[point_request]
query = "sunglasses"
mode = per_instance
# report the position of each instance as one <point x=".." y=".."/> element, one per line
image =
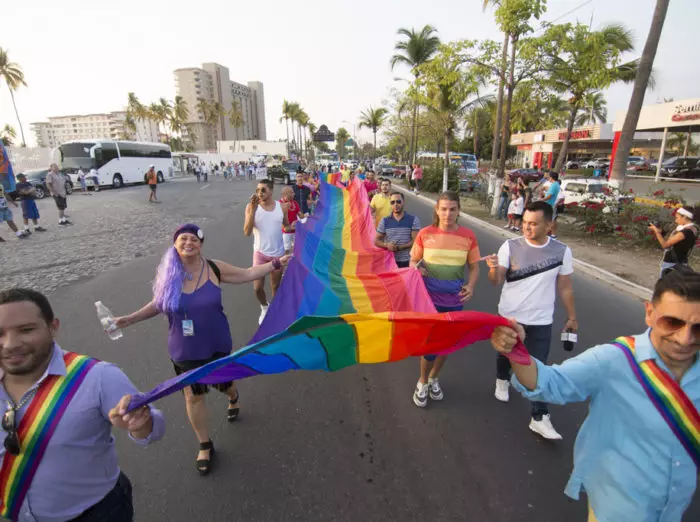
<point x="396" y="202"/>
<point x="9" y="425"/>
<point x="673" y="324"/>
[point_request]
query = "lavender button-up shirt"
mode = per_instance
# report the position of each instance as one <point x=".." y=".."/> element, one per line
<point x="80" y="464"/>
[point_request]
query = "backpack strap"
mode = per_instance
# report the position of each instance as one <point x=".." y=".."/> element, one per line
<point x="215" y="269"/>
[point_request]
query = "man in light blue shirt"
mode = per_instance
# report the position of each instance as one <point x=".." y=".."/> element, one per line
<point x="551" y="197"/>
<point x="627" y="459"/>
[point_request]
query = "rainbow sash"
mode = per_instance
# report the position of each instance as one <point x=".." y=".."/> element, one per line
<point x="36" y="429"/>
<point x="669" y="398"/>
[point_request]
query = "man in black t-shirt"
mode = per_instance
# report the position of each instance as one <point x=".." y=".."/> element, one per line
<point x="679" y="244"/>
<point x="29" y="209"/>
<point x="302" y="194"/>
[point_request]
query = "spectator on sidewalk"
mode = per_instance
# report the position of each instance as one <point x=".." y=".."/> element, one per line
<point x="680" y="242"/>
<point x="397" y="232"/>
<point x="531" y="269"/>
<point x="56" y="186"/>
<point x="417" y="177"/>
<point x="515" y="211"/>
<point x="551" y="197"/>
<point x="27" y="194"/>
<point x="503" y="198"/>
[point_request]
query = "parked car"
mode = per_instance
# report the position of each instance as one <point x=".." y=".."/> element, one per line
<point x="37" y="179"/>
<point x="386" y="170"/>
<point x="572" y="165"/>
<point x="681" y="167"/>
<point x="527" y="175"/>
<point x="285" y="173"/>
<point x="597" y="163"/>
<point x="580" y="190"/>
<point x="399" y="172"/>
<point x="638" y="164"/>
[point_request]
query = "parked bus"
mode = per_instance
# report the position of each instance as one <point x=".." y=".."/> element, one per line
<point x="117" y="162"/>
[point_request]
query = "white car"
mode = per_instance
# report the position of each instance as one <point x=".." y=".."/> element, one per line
<point x="582" y="190"/>
<point x="597" y="163"/>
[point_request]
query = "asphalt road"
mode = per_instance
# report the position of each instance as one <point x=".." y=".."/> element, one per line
<point x="349" y="446"/>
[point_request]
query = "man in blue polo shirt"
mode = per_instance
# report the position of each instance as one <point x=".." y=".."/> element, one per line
<point x="397" y="231"/>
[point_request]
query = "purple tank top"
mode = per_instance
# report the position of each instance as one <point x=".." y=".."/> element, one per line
<point x="211" y="331"/>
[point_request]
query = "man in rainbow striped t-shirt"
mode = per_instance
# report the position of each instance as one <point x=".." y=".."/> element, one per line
<point x="637" y="453"/>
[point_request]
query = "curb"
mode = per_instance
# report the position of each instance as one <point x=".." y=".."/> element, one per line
<point x="633" y="289"/>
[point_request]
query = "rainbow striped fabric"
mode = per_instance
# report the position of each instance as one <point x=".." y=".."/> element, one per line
<point x="36" y="429"/>
<point x="342" y="301"/>
<point x="673" y="404"/>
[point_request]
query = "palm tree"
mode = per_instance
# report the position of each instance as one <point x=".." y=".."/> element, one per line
<point x="341" y="138"/>
<point x="14" y="78"/>
<point x="179" y="116"/>
<point x="417" y="49"/>
<point x="594" y="108"/>
<point x="310" y="143"/>
<point x="286" y="113"/>
<point x="294" y="113"/>
<point x="235" y="118"/>
<point x="156" y="114"/>
<point x="303" y="121"/>
<point x="8" y="135"/>
<point x="641" y="82"/>
<point x="373" y="119"/>
<point x="166" y="115"/>
<point x="216" y="112"/>
<point x="129" y="126"/>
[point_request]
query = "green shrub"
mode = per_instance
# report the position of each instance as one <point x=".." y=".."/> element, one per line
<point x="432" y="179"/>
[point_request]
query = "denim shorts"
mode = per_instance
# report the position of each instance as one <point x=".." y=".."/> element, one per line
<point x="442" y="310"/>
<point x="5" y="214"/>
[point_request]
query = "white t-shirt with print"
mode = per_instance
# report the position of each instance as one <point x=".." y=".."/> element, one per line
<point x="530" y="289"/>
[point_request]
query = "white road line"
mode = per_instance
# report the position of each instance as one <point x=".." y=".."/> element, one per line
<point x="204" y="186"/>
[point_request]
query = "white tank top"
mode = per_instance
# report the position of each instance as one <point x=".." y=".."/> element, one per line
<point x="267" y="232"/>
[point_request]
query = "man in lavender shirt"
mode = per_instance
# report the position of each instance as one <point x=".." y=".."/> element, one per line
<point x="78" y="478"/>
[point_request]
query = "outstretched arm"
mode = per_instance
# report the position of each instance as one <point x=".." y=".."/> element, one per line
<point x="148" y="311"/>
<point x="235" y="275"/>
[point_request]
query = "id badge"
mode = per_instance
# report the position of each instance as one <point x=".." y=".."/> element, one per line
<point x="187" y="327"/>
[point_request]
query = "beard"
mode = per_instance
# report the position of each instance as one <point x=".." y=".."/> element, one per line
<point x="27" y="359"/>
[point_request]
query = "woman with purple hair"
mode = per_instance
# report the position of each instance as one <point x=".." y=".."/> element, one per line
<point x="187" y="289"/>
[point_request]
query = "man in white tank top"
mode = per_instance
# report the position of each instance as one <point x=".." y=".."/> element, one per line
<point x="264" y="218"/>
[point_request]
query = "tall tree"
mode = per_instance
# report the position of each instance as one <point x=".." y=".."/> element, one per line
<point x="418" y="48"/>
<point x="341" y="138"/>
<point x="14" y="78"/>
<point x="594" y="109"/>
<point x="165" y="116"/>
<point x="8" y="135"/>
<point x="216" y="112"/>
<point x="373" y="119"/>
<point x="179" y="115"/>
<point x="579" y="61"/>
<point x="286" y="113"/>
<point x="641" y="82"/>
<point x="129" y="126"/>
<point x="235" y="118"/>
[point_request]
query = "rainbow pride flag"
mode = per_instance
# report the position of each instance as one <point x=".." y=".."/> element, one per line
<point x="342" y="302"/>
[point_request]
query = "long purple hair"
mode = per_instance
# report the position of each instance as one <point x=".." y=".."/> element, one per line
<point x="167" y="285"/>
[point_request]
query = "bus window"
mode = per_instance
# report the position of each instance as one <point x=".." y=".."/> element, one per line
<point x="76" y="156"/>
<point x="104" y="153"/>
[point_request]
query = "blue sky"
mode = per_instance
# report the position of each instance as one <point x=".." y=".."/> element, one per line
<point x="82" y="56"/>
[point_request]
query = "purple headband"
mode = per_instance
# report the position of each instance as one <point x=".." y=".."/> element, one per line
<point x="189" y="228"/>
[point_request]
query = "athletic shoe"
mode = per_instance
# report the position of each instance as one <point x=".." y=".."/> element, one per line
<point x="263" y="313"/>
<point x="26" y="231"/>
<point x="544" y="428"/>
<point x="501" y="392"/>
<point x="435" y="390"/>
<point x="506" y="226"/>
<point x="39" y="229"/>
<point x="420" y="395"/>
<point x="22" y="235"/>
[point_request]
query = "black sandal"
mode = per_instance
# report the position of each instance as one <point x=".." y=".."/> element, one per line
<point x="232" y="413"/>
<point x="204" y="465"/>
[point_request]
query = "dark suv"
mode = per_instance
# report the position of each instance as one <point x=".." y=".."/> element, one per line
<point x="681" y="167"/>
<point x="37" y="179"/>
<point x="286" y="173"/>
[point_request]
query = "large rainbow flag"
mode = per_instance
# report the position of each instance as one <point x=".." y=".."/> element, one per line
<point x="342" y="302"/>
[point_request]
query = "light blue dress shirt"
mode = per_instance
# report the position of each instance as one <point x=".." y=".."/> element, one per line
<point x="626" y="458"/>
<point x="80" y="464"/>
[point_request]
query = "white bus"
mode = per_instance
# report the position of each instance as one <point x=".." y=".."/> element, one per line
<point x="117" y="162"/>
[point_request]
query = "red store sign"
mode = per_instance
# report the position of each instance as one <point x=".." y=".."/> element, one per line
<point x="576" y="135"/>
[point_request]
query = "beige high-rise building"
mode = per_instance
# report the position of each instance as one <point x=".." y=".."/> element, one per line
<point x="212" y="84"/>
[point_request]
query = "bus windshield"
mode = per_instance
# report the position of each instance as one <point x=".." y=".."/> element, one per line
<point x="76" y="156"/>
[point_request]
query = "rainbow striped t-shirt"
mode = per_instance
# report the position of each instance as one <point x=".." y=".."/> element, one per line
<point x="445" y="256"/>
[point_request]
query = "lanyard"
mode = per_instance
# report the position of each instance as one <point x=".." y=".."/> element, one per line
<point x="184" y="309"/>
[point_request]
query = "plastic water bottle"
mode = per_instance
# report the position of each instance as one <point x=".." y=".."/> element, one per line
<point x="107" y="321"/>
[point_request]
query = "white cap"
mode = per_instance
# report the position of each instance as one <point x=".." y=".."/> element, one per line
<point x="152" y="166"/>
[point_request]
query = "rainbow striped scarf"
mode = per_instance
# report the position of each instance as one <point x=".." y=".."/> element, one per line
<point x="669" y="398"/>
<point x="36" y="429"/>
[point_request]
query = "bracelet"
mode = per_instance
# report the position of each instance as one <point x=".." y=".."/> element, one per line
<point x="276" y="264"/>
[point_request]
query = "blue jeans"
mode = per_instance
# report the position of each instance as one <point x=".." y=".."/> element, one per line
<point x="537" y="340"/>
<point x="503" y="208"/>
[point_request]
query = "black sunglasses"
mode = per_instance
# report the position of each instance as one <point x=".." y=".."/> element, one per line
<point x="395" y="201"/>
<point x="9" y="425"/>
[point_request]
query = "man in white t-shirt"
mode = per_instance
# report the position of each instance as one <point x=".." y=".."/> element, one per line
<point x="265" y="218"/>
<point x="532" y="268"/>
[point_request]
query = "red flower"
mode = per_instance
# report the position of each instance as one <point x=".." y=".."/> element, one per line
<point x="659" y="193"/>
<point x="618" y="228"/>
<point x="640" y="218"/>
<point x="591" y="229"/>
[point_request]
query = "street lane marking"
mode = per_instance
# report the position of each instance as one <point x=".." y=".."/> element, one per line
<point x="204" y="186"/>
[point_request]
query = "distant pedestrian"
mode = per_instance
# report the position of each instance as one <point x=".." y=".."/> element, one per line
<point x="397" y="232"/>
<point x="57" y="188"/>
<point x="503" y="199"/>
<point x="6" y="214"/>
<point x="152" y="180"/>
<point x="81" y="180"/>
<point x="551" y="197"/>
<point x="680" y="242"/>
<point x="27" y="193"/>
<point x="95" y="179"/>
<point x="417" y="178"/>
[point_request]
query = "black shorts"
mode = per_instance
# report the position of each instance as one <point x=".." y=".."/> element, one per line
<point x="200" y="389"/>
<point x="61" y="202"/>
<point x="403" y="264"/>
<point x="153" y="187"/>
<point x="517" y="216"/>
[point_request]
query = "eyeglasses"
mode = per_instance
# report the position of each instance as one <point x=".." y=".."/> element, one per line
<point x="396" y="202"/>
<point x="673" y="324"/>
<point x="9" y="425"/>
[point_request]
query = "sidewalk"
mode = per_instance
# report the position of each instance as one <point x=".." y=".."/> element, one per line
<point x="588" y="259"/>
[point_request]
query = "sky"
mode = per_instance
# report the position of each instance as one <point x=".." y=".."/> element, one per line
<point x="84" y="56"/>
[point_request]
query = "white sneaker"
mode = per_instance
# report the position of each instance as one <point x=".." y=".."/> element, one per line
<point x="435" y="390"/>
<point x="263" y="313"/>
<point x="544" y="428"/>
<point x="501" y="392"/>
<point x="506" y="227"/>
<point x="420" y="395"/>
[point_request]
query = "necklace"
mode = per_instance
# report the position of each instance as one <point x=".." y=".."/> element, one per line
<point x="190" y="275"/>
<point x="22" y="402"/>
